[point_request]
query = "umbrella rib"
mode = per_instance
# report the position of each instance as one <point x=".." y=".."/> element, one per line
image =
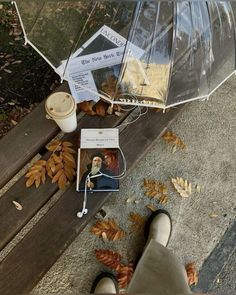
<point x="172" y="53"/>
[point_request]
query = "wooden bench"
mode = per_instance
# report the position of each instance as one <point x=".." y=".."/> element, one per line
<point x="32" y="257"/>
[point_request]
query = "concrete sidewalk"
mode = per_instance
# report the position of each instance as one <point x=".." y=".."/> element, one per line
<point x="209" y="131"/>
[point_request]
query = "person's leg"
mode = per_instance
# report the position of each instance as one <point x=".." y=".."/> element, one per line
<point x="158" y="271"/>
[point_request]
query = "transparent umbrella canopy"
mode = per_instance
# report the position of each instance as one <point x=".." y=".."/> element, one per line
<point x="152" y="53"/>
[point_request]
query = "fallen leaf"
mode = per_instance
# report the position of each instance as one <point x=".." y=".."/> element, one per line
<point x="108" y="258"/>
<point x="17" y="205"/>
<point x="198" y="188"/>
<point x="110" y="228"/>
<point x="151" y="207"/>
<point x="101" y="108"/>
<point x="183" y="187"/>
<point x="36" y="173"/>
<point x="137" y="220"/>
<point x="54" y="146"/>
<point x="87" y="107"/>
<point x="172" y="138"/>
<point x="174" y="149"/>
<point x="124" y="274"/>
<point x="213" y="215"/>
<point x="14" y="122"/>
<point x="7" y="71"/>
<point x="61" y="164"/>
<point x="163" y="199"/>
<point x="16" y="62"/>
<point x="137" y="201"/>
<point x="154" y="188"/>
<point x="191" y="273"/>
<point x="130" y="200"/>
<point x="104" y="237"/>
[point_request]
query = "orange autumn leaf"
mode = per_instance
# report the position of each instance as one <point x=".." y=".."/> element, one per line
<point x="87" y="107"/>
<point x="137" y="220"/>
<point x="108" y="258"/>
<point x="60" y="166"/>
<point x="36" y="174"/>
<point x="155" y="189"/>
<point x="124" y="274"/>
<point x="173" y="139"/>
<point x="110" y="228"/>
<point x="101" y="108"/>
<point x="191" y="273"/>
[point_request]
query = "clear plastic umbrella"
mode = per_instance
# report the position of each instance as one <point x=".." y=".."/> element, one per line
<point x="152" y="53"/>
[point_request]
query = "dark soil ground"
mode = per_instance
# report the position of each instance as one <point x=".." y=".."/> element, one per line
<point x="25" y="78"/>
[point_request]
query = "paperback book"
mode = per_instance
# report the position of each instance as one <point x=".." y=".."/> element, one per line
<point x="99" y="160"/>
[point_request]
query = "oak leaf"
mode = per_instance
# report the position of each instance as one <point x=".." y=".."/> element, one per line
<point x="124" y="274"/>
<point x="137" y="220"/>
<point x="109" y="258"/>
<point x="183" y="187"/>
<point x="110" y="228"/>
<point x="191" y="273"/>
<point x="172" y="138"/>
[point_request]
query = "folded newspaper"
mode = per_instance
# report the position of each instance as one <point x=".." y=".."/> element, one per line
<point x="97" y="60"/>
<point x="109" y="66"/>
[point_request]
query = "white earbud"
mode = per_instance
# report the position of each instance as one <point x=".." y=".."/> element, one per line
<point x="81" y="213"/>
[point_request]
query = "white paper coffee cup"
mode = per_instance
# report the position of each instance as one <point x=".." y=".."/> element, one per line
<point x="61" y="107"/>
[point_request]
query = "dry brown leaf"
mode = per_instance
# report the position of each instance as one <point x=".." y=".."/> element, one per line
<point x="109" y="258"/>
<point x="67" y="144"/>
<point x="57" y="176"/>
<point x="151" y="207"/>
<point x="54" y="146"/>
<point x="183" y="187"/>
<point x="36" y="173"/>
<point x="174" y="149"/>
<point x="124" y="274"/>
<point x="87" y="107"/>
<point x="62" y="181"/>
<point x="213" y="215"/>
<point x="198" y="188"/>
<point x="172" y="138"/>
<point x="155" y="189"/>
<point x="104" y="237"/>
<point x="163" y="199"/>
<point x="17" y="205"/>
<point x="61" y="165"/>
<point x="191" y="273"/>
<point x="137" y="220"/>
<point x="110" y="228"/>
<point x="130" y="200"/>
<point x="101" y="108"/>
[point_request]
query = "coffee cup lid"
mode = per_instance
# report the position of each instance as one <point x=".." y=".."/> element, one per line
<point x="60" y="104"/>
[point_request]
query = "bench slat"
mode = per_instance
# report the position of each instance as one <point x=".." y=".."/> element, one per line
<point x="32" y="199"/>
<point x="26" y="264"/>
<point x="25" y="140"/>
